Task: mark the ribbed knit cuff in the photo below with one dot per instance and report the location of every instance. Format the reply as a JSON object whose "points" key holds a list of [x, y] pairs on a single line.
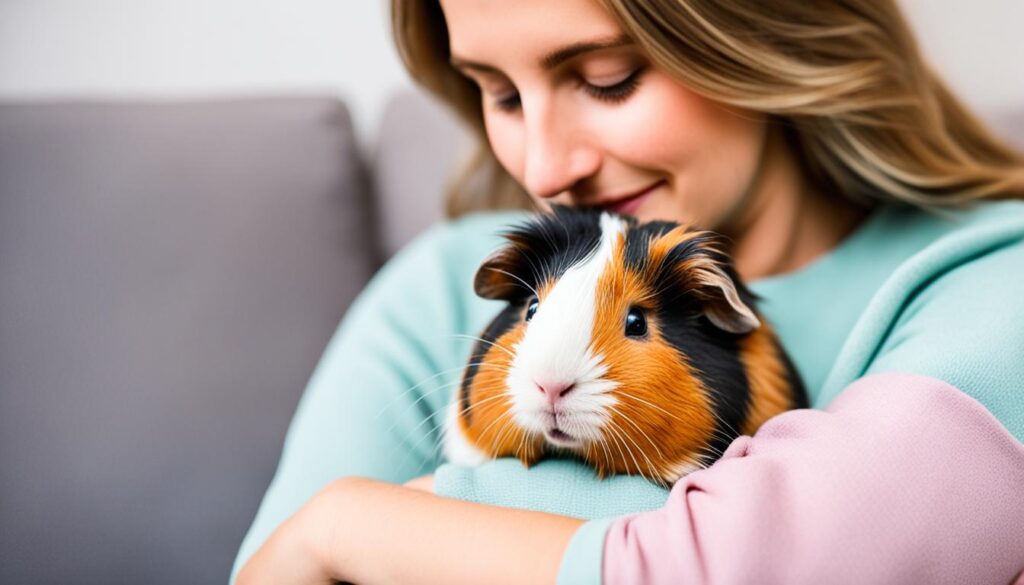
{"points": [[583, 558]]}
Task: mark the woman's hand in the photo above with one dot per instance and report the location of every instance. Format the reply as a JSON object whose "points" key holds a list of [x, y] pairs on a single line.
{"points": [[295, 552], [354, 529]]}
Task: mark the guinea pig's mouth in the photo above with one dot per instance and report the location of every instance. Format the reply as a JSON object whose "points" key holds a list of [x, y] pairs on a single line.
{"points": [[560, 438]]}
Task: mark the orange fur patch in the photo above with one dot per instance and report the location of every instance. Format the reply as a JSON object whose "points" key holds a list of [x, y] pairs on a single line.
{"points": [[662, 418], [770, 390]]}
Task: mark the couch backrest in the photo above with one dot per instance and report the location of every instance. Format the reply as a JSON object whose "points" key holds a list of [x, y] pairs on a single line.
{"points": [[169, 275]]}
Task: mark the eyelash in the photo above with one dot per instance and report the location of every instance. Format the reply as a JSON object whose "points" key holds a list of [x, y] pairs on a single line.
{"points": [[611, 93]]}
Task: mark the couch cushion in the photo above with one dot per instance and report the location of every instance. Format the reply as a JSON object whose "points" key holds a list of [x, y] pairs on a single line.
{"points": [[417, 149], [170, 275]]}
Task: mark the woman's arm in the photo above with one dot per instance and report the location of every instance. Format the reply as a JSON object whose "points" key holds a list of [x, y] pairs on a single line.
{"points": [[904, 479], [369, 407], [368, 532]]}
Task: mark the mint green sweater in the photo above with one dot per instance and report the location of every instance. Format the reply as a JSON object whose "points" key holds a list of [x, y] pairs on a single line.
{"points": [[938, 294]]}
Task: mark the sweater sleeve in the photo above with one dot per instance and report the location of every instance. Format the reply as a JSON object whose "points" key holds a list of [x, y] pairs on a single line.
{"points": [[902, 478], [369, 408], [966, 327]]}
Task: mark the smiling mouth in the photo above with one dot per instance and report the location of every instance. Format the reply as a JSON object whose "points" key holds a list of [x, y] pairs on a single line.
{"points": [[631, 203]]}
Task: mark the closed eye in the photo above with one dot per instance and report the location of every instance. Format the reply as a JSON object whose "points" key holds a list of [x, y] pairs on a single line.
{"points": [[614, 93]]}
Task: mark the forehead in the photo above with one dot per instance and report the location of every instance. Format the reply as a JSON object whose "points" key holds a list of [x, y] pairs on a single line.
{"points": [[519, 34]]}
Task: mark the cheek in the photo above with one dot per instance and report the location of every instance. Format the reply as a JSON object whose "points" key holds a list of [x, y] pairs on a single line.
{"points": [[709, 152], [505, 137]]}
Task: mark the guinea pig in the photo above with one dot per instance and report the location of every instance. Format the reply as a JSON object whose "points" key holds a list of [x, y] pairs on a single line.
{"points": [[631, 346]]}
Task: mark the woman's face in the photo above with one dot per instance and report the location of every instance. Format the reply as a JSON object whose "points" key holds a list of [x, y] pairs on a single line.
{"points": [[578, 115]]}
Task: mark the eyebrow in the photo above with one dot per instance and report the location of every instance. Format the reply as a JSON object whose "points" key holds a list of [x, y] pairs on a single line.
{"points": [[554, 58]]}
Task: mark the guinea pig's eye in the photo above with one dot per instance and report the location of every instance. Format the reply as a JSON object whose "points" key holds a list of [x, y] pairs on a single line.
{"points": [[636, 323], [531, 309]]}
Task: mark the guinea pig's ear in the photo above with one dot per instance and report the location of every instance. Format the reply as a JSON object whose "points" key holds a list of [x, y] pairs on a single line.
{"points": [[721, 301], [496, 277], [696, 260]]}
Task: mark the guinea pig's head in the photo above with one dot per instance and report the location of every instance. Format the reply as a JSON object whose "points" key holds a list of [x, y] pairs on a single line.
{"points": [[619, 345]]}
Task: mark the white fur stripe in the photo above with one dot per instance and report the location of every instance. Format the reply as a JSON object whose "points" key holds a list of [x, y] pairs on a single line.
{"points": [[557, 347]]}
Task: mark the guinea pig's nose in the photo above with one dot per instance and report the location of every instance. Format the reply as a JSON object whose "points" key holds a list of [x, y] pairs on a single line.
{"points": [[555, 390]]}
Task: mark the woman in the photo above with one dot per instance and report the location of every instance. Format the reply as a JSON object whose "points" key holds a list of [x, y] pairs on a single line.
{"points": [[811, 134]]}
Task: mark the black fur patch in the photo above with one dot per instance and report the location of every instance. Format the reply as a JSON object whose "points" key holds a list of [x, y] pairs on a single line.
{"points": [[549, 244], [715, 356]]}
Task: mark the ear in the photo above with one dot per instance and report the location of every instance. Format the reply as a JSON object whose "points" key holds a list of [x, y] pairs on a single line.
{"points": [[694, 257], [722, 303], [496, 277]]}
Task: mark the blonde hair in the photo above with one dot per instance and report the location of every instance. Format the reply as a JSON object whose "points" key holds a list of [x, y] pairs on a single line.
{"points": [[866, 116]]}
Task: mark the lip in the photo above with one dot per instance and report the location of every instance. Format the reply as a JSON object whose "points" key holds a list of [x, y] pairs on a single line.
{"points": [[626, 204]]}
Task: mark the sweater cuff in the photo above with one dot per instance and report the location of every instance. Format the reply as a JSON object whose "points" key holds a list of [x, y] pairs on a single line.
{"points": [[582, 561]]}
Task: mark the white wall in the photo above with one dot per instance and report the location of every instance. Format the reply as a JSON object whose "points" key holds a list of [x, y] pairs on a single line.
{"points": [[62, 48], [977, 45], [59, 48]]}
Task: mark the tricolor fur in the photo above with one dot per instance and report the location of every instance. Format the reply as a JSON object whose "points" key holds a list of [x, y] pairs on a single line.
{"points": [[706, 369]]}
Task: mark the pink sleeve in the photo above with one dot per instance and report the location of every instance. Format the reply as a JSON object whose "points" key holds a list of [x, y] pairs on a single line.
{"points": [[903, 479]]}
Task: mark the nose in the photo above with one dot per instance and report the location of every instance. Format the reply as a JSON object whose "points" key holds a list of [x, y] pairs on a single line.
{"points": [[559, 151], [555, 390]]}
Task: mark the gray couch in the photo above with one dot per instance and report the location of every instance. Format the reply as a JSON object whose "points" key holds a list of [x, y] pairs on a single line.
{"points": [[169, 274]]}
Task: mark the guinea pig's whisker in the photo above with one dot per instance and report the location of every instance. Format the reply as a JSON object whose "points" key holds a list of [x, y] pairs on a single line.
{"points": [[466, 410], [487, 407], [706, 456], [507, 273], [733, 432], [618, 430], [655, 406], [607, 451], [431, 392], [428, 379], [497, 419], [440, 429], [642, 452], [487, 341], [615, 440], [410, 389], [433, 431], [422, 397], [592, 449], [640, 430], [508, 424], [522, 442], [414, 447], [435, 452], [409, 406]]}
